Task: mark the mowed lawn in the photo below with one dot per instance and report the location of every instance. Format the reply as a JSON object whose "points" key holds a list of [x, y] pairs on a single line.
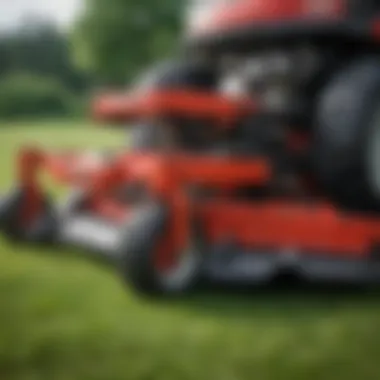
{"points": [[65, 318]]}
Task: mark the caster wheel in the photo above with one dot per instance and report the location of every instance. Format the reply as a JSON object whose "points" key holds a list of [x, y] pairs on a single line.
{"points": [[27, 217], [142, 251]]}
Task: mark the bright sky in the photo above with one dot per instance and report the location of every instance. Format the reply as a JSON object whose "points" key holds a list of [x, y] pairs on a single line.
{"points": [[63, 12]]}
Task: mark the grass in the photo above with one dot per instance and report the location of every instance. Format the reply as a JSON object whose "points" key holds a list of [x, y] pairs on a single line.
{"points": [[64, 318]]}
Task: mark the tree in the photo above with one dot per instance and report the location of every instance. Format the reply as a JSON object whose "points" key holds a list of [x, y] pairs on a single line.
{"points": [[27, 95], [39, 48], [116, 38]]}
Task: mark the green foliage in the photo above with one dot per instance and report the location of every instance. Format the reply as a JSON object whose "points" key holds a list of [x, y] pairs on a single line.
{"points": [[26, 95], [116, 38], [40, 49]]}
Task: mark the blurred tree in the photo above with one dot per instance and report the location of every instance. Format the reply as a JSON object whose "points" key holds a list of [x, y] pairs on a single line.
{"points": [[27, 95], [116, 38], [39, 48]]}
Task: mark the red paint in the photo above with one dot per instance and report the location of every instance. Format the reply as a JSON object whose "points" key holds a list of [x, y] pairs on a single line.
{"points": [[375, 29], [244, 12], [159, 103], [284, 225]]}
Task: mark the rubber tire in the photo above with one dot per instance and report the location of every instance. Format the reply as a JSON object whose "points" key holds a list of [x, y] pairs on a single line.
{"points": [[9, 205], [137, 250], [43, 230], [343, 131]]}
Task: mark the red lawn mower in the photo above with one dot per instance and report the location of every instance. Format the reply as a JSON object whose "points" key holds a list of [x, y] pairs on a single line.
{"points": [[256, 153]]}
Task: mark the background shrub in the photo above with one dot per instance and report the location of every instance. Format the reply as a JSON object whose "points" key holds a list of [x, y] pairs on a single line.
{"points": [[29, 95]]}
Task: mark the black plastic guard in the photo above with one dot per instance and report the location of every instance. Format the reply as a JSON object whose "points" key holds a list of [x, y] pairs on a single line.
{"points": [[262, 266]]}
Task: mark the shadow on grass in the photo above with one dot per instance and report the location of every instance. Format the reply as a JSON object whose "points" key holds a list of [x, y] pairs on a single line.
{"points": [[285, 297], [279, 300]]}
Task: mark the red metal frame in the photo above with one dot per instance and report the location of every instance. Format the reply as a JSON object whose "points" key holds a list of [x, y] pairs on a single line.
{"points": [[160, 172], [241, 13], [270, 224], [185, 103], [318, 228]]}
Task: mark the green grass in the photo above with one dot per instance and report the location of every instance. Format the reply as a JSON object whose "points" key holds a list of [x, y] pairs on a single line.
{"points": [[64, 318]]}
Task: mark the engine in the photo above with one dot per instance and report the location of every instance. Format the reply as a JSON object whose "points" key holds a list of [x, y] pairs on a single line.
{"points": [[276, 78]]}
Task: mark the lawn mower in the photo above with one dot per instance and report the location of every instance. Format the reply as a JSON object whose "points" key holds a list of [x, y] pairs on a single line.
{"points": [[255, 153]]}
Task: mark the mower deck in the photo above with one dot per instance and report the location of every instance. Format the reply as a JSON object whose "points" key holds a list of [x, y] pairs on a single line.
{"points": [[342, 250], [229, 262], [245, 241], [232, 261]]}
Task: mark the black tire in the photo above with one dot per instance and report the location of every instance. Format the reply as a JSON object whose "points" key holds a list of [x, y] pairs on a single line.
{"points": [[142, 235], [42, 229], [347, 119]]}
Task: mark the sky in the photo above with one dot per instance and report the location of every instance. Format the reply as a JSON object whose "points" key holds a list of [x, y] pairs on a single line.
{"points": [[63, 12]]}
